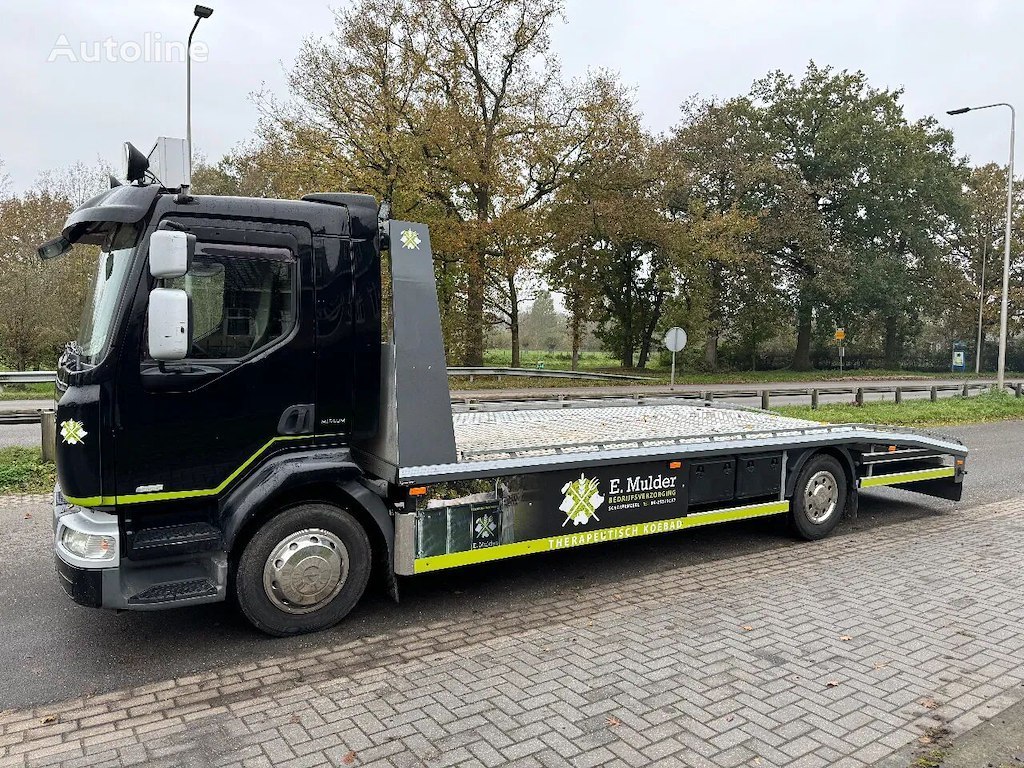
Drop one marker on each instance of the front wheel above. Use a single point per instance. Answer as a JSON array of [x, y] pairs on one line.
[[304, 570], [819, 498]]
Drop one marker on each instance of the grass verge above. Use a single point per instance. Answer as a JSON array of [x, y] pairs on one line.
[[22, 470], [27, 392], [916, 413]]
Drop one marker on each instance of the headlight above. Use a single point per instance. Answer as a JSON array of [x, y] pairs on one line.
[[87, 545]]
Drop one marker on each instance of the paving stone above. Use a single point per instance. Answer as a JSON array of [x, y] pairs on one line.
[[663, 674]]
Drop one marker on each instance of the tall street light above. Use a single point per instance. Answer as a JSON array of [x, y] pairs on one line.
[[201, 12], [981, 301], [1001, 373]]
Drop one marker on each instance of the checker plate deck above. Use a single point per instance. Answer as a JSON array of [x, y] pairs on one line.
[[536, 431]]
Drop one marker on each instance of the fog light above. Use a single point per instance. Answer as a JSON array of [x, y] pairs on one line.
[[87, 545]]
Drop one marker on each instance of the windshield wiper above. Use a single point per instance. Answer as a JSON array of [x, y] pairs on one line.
[[71, 357]]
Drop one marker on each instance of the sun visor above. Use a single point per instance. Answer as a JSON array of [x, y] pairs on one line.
[[120, 205]]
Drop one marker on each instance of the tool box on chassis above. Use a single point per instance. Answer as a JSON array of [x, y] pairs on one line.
[[282, 474]]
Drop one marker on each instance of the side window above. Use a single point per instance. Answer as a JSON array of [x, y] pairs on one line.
[[243, 299]]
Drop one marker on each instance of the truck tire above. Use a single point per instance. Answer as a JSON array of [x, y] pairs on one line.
[[819, 498], [303, 571]]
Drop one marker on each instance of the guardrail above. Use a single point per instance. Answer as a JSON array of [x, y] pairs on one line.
[[544, 373], [896, 390], [11, 418], [27, 377], [47, 377], [859, 394]]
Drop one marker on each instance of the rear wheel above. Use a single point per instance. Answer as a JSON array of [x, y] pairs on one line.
[[819, 498], [304, 570]]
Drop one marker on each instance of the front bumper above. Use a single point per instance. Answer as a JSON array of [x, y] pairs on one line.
[[83, 585], [82, 578], [119, 583]]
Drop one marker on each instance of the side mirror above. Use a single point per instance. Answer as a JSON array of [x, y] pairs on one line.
[[170, 324], [170, 253]]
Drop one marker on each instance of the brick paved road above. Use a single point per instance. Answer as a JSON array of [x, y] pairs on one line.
[[829, 654]]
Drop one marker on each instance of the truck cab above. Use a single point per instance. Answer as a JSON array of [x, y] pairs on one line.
[[156, 457]]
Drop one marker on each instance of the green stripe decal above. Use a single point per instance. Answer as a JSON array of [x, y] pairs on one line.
[[137, 498], [907, 477], [583, 538], [91, 501]]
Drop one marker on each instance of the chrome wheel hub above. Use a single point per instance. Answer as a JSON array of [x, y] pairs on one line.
[[305, 571], [821, 496]]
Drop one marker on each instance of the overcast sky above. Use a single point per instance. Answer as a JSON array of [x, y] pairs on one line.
[[57, 111]]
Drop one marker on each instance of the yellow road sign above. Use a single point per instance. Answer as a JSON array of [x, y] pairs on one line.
[[840, 334]]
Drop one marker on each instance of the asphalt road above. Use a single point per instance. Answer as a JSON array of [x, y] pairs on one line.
[[21, 434], [61, 649]]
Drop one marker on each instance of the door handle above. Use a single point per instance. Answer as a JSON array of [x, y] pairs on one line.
[[296, 420], [178, 378]]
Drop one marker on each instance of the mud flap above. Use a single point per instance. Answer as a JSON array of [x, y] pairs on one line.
[[392, 585], [852, 503], [942, 488]]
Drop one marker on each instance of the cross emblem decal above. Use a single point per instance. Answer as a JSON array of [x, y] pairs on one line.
[[581, 501], [410, 239], [73, 432]]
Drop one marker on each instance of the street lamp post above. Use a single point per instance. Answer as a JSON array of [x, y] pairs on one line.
[[1004, 309], [981, 301], [201, 12]]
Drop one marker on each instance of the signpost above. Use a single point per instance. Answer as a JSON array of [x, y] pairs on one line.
[[841, 337], [959, 357], [675, 341]]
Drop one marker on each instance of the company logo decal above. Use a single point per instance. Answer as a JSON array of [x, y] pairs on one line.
[[73, 432], [581, 501], [410, 239], [485, 527]]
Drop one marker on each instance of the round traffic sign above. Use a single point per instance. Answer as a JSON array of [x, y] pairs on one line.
[[675, 339]]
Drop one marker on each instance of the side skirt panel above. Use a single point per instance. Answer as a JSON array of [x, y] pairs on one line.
[[583, 538]]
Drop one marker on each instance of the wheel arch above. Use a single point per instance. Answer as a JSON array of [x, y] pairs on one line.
[[310, 476], [840, 453]]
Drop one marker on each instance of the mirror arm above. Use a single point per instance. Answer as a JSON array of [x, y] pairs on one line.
[[161, 364]]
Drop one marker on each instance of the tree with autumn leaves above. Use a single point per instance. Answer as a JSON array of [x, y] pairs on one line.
[[40, 302], [760, 221], [794, 200]]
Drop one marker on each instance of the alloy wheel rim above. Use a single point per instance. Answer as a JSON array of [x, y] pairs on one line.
[[305, 571], [821, 497]]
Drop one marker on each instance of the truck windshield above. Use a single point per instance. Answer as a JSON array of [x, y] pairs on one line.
[[115, 260]]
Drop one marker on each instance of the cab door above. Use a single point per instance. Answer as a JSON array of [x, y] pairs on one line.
[[189, 429]]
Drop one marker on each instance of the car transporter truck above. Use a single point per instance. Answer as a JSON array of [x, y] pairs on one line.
[[239, 419]]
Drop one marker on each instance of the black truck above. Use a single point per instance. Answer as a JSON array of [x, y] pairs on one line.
[[234, 422]]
